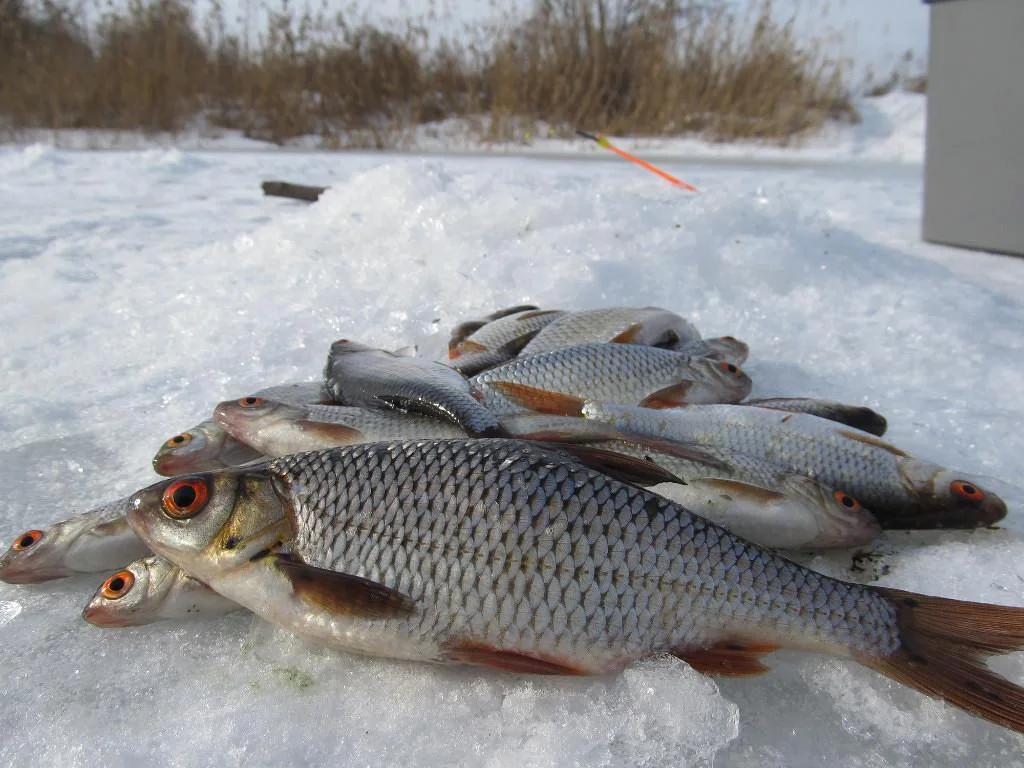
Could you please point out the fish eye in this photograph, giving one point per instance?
(729, 367)
(26, 540)
(967, 491)
(118, 585)
(846, 500)
(183, 499)
(179, 440)
(251, 402)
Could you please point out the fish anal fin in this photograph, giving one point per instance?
(340, 434)
(670, 397)
(626, 469)
(734, 659)
(943, 645)
(508, 660)
(342, 593)
(628, 335)
(540, 400)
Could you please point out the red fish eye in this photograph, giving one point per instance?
(179, 440)
(846, 500)
(967, 491)
(183, 499)
(728, 367)
(251, 402)
(26, 540)
(118, 585)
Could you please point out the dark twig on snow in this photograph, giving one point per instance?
(295, 191)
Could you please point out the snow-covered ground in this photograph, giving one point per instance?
(138, 289)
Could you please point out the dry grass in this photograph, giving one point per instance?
(647, 67)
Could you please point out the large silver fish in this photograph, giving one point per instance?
(650, 326)
(560, 382)
(506, 554)
(276, 429)
(149, 590)
(498, 341)
(902, 491)
(375, 378)
(858, 416)
(97, 540)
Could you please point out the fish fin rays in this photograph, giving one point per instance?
(341, 434)
(728, 660)
(342, 593)
(629, 335)
(507, 660)
(540, 400)
(943, 645)
(670, 397)
(626, 469)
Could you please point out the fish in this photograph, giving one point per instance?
(649, 326)
(375, 378)
(208, 446)
(152, 589)
(95, 541)
(498, 341)
(465, 329)
(559, 382)
(748, 496)
(727, 348)
(859, 416)
(512, 555)
(901, 490)
(276, 429)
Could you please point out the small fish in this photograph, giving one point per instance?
(149, 590)
(276, 429)
(727, 348)
(649, 326)
(374, 378)
(560, 382)
(465, 329)
(857, 416)
(901, 491)
(97, 540)
(518, 557)
(498, 341)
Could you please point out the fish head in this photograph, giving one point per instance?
(243, 416)
(728, 348)
(132, 596)
(348, 347)
(213, 521)
(841, 519)
(946, 498)
(195, 449)
(716, 381)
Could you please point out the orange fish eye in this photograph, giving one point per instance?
(967, 491)
(118, 585)
(183, 499)
(846, 500)
(726, 366)
(179, 440)
(251, 402)
(26, 540)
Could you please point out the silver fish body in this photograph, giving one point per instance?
(467, 328)
(152, 589)
(650, 326)
(857, 416)
(560, 381)
(498, 341)
(901, 491)
(95, 541)
(507, 554)
(276, 429)
(373, 378)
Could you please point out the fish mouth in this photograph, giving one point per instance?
(99, 616)
(960, 517)
(14, 572)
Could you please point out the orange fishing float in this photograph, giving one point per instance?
(601, 140)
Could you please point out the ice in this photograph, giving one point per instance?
(138, 289)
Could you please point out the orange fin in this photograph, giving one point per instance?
(540, 400)
(629, 335)
(339, 434)
(465, 347)
(876, 442)
(943, 645)
(626, 469)
(481, 654)
(342, 593)
(730, 659)
(669, 397)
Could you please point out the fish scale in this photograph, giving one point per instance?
(620, 553)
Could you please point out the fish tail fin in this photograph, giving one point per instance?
(943, 647)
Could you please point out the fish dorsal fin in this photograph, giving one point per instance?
(540, 400)
(867, 439)
(342, 593)
(729, 659)
(626, 469)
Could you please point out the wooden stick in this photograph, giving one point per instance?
(294, 191)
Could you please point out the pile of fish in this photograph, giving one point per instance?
(566, 493)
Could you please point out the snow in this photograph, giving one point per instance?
(139, 288)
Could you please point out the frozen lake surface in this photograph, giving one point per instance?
(138, 289)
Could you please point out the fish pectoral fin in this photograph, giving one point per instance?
(342, 593)
(540, 400)
(466, 347)
(670, 397)
(684, 451)
(337, 433)
(629, 335)
(508, 660)
(739, 490)
(733, 659)
(626, 469)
